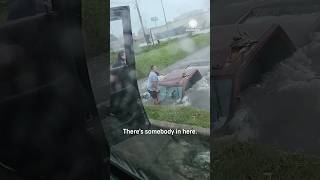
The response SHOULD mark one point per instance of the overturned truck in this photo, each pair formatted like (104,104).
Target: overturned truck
(240,59)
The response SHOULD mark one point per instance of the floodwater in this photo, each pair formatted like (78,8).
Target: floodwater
(284,109)
(198,95)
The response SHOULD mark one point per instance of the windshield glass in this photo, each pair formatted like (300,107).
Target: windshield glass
(116,43)
(142,143)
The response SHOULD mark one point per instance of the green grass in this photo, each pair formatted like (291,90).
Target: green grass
(234,160)
(163,54)
(139,50)
(166,54)
(179,115)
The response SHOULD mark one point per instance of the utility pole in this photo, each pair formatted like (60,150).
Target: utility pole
(144,33)
(164,14)
(151,37)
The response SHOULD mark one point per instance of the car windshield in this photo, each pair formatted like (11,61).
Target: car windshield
(142,142)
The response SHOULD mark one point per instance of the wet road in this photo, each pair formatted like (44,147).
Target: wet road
(199,58)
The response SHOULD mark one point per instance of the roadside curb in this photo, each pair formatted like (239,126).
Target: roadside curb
(168,125)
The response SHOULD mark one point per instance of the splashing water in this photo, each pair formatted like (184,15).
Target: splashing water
(197,96)
(187,45)
(284,109)
(203,84)
(184,102)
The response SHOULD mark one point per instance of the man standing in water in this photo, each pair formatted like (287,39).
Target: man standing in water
(153,85)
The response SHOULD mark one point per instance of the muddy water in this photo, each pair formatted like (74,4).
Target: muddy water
(284,109)
(199,95)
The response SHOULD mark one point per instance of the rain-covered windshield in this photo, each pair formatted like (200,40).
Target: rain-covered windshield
(163,140)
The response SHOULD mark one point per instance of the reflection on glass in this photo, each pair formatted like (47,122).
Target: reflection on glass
(160,156)
(117,53)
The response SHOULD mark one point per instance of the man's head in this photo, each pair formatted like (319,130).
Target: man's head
(153,68)
(122,55)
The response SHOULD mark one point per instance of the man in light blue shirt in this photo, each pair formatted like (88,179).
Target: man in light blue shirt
(153,84)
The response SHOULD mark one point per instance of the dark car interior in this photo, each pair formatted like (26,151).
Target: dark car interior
(51,127)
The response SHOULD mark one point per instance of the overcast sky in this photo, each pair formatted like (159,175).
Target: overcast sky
(151,8)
